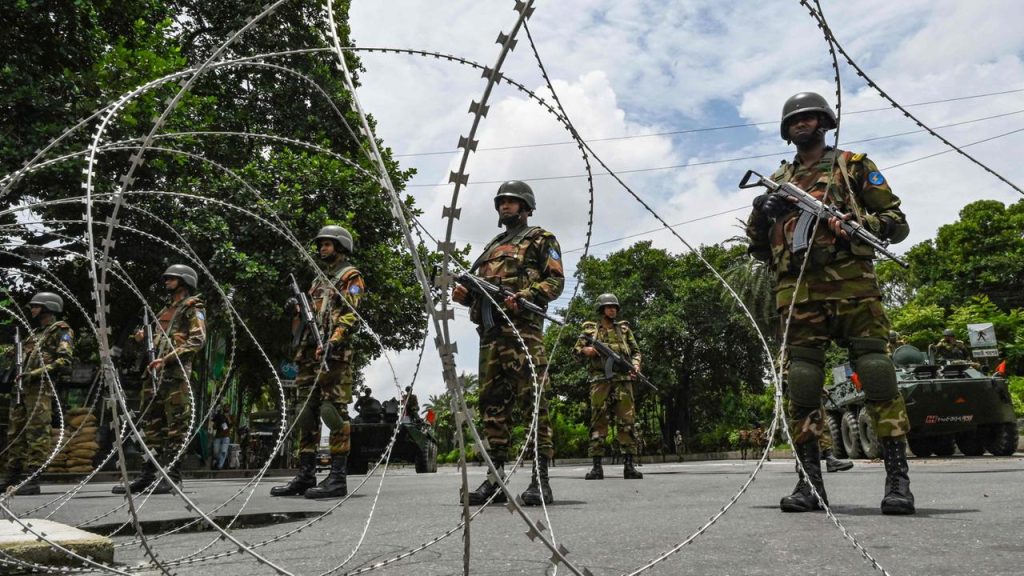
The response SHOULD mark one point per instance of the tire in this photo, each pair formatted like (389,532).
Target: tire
(836,430)
(868,439)
(426,459)
(921,446)
(1001,439)
(944,446)
(851,434)
(970,443)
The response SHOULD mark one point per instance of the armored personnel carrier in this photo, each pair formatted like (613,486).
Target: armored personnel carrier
(371,432)
(950,405)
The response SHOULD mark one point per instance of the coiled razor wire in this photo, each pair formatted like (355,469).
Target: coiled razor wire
(102,265)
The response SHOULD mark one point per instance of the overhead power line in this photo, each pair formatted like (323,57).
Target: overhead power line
(727,160)
(700,129)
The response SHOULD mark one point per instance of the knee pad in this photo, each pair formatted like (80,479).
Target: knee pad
(334,417)
(874,368)
(806,376)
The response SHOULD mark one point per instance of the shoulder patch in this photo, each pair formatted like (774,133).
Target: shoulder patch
(66,337)
(201,315)
(554,254)
(876,178)
(354,289)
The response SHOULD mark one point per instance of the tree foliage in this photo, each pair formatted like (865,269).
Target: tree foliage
(67,59)
(702,353)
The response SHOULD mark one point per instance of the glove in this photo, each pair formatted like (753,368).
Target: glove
(773,206)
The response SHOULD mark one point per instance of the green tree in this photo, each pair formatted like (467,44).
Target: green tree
(69,59)
(697,348)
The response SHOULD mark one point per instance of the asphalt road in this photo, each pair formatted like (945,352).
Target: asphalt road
(969,521)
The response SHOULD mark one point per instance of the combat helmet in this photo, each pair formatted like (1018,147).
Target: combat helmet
(948,332)
(519,190)
(806,102)
(183,272)
(607,299)
(52,302)
(341,236)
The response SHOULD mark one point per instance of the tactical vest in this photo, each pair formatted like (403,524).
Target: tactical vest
(835,188)
(503,263)
(47,349)
(168,318)
(615,338)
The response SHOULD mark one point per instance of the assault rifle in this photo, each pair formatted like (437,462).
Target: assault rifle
(147,330)
(19,356)
(813,209)
(308,320)
(499,293)
(614,360)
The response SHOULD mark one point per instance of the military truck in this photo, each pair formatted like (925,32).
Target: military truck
(371,432)
(950,405)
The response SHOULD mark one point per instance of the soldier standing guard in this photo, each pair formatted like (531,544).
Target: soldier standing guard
(180,336)
(838,297)
(327,386)
(950,347)
(616,389)
(46,354)
(528,261)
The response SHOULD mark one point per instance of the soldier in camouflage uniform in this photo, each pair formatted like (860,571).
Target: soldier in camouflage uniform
(616,390)
(528,261)
(326,388)
(178,336)
(895,341)
(838,297)
(951,348)
(46,354)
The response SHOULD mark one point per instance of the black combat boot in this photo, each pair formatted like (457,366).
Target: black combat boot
(141,482)
(539,486)
(898,499)
(629,472)
(335,486)
(174,472)
(597,472)
(802,500)
(304,480)
(489,487)
(833,464)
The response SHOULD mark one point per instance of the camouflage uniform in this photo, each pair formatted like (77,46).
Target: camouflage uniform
(48,350)
(838,297)
(334,387)
(181,336)
(952,350)
(618,389)
(527,260)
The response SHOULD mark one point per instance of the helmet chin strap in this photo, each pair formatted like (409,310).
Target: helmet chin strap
(511,219)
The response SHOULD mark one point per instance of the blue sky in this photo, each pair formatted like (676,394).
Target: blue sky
(641,68)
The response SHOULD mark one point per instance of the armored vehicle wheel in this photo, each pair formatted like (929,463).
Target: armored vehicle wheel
(357,465)
(851,435)
(836,430)
(970,443)
(426,459)
(868,439)
(944,445)
(921,446)
(1001,439)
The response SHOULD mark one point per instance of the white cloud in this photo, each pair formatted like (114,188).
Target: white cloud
(627,68)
